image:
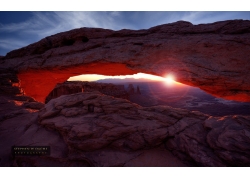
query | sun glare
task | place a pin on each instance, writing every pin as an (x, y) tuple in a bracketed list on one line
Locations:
[(169, 80), (95, 77)]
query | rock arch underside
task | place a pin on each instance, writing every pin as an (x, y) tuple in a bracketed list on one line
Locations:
[(214, 57)]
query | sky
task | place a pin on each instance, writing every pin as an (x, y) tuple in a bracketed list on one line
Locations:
[(19, 29), (94, 77)]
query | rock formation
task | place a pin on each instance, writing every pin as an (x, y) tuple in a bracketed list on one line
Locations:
[(19, 126), (13, 102), (138, 91), (131, 89), (93, 129), (117, 124), (213, 57), (71, 87)]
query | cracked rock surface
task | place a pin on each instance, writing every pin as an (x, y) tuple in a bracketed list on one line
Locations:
[(214, 57), (19, 126), (92, 129), (196, 138)]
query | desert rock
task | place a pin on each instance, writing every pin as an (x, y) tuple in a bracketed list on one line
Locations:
[(194, 137), (94, 129), (213, 57)]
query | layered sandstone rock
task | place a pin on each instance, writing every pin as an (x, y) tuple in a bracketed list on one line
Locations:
[(9, 83), (214, 57), (10, 89), (19, 127), (92, 129), (117, 124)]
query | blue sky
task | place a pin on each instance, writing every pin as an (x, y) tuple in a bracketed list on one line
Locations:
[(18, 29)]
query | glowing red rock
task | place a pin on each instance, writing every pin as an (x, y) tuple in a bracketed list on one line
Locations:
[(214, 57)]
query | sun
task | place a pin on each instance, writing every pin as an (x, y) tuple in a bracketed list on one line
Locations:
[(169, 80)]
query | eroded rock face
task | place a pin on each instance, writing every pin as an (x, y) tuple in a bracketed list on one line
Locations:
[(19, 127), (113, 123), (9, 83), (213, 57), (92, 129)]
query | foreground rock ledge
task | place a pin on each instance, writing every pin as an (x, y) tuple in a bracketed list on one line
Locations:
[(92, 129), (92, 121), (214, 57)]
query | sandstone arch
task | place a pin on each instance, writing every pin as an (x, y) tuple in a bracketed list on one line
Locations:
[(214, 57)]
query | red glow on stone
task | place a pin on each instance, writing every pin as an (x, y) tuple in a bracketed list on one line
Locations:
[(39, 83)]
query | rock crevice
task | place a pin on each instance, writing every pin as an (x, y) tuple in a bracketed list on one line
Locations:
[(121, 125)]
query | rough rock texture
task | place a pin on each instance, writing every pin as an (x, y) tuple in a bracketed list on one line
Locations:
[(71, 87), (19, 127), (92, 129), (214, 57), (10, 89), (118, 124), (23, 129), (9, 83), (225, 139)]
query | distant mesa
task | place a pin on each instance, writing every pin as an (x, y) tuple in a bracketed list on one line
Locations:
[(72, 87), (131, 90), (138, 91), (126, 80)]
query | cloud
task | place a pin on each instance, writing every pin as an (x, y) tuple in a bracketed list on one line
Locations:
[(42, 24), (198, 17), (47, 23), (10, 43)]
